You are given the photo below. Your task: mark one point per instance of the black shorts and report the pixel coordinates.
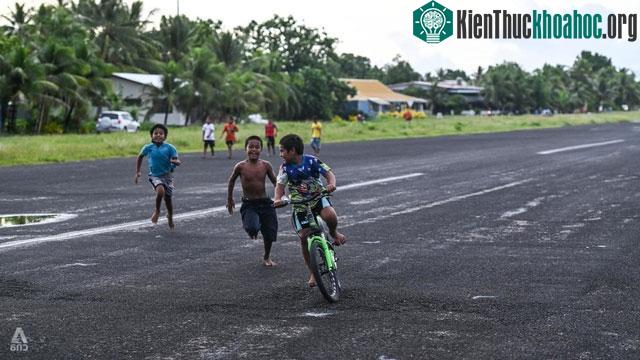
(230, 143)
(260, 215)
(211, 143)
(271, 141)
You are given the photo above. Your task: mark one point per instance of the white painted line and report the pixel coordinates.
(107, 229)
(318, 314)
(483, 297)
(458, 198)
(78, 264)
(379, 181)
(553, 151)
(146, 223)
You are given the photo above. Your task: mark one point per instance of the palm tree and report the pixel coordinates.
(229, 49)
(166, 95)
(119, 32)
(175, 36)
(19, 20)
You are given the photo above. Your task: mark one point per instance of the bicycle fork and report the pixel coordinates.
(326, 252)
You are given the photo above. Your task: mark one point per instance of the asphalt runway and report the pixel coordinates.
(520, 245)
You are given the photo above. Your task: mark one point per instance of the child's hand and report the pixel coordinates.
(331, 188)
(230, 206)
(177, 162)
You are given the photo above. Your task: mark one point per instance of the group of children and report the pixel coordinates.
(299, 174)
(230, 129)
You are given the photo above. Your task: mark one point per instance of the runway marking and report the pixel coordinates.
(569, 148)
(146, 223)
(441, 202)
(318, 314)
(78, 264)
(483, 297)
(460, 197)
(379, 181)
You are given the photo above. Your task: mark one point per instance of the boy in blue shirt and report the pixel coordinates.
(163, 158)
(300, 174)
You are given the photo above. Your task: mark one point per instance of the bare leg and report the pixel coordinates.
(266, 260)
(169, 204)
(159, 196)
(303, 234)
(329, 216)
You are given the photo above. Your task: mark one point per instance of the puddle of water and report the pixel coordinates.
(32, 219)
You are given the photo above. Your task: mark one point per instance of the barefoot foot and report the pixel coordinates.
(170, 222)
(269, 263)
(338, 239)
(312, 282)
(154, 217)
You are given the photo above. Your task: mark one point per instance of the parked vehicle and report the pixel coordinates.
(109, 121)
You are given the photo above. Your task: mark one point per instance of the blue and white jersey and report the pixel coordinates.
(159, 158)
(303, 179)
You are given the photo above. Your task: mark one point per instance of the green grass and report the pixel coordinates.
(20, 150)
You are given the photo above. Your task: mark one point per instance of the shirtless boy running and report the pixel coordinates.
(258, 213)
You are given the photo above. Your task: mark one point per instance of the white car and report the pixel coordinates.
(116, 121)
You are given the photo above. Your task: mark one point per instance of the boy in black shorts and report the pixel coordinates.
(258, 213)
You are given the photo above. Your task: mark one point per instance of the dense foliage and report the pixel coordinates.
(56, 63)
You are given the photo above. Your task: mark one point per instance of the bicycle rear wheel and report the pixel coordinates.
(327, 280)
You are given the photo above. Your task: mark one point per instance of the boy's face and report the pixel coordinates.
(253, 149)
(287, 155)
(158, 135)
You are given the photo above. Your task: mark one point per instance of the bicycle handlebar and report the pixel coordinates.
(286, 201)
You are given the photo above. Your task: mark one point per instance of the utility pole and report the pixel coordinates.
(178, 5)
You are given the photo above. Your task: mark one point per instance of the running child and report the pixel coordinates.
(258, 213)
(163, 158)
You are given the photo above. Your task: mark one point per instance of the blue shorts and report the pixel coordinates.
(315, 143)
(300, 218)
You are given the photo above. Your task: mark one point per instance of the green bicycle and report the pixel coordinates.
(322, 256)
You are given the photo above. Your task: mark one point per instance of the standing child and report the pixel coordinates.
(258, 213)
(270, 132)
(230, 128)
(300, 174)
(316, 133)
(163, 158)
(208, 136)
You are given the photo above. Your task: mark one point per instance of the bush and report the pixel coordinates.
(52, 128)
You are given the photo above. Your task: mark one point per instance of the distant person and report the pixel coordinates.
(270, 132)
(208, 137)
(258, 213)
(316, 133)
(163, 158)
(300, 174)
(231, 129)
(407, 115)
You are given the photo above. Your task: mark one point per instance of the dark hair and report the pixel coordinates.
(252, 137)
(292, 142)
(159, 126)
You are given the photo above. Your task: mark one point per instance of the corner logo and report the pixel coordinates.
(432, 22)
(19, 341)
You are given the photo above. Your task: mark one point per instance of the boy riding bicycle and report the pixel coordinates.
(300, 173)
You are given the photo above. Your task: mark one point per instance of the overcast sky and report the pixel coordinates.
(381, 30)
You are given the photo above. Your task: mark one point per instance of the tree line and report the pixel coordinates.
(56, 63)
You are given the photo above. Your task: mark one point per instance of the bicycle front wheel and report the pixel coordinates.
(327, 279)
